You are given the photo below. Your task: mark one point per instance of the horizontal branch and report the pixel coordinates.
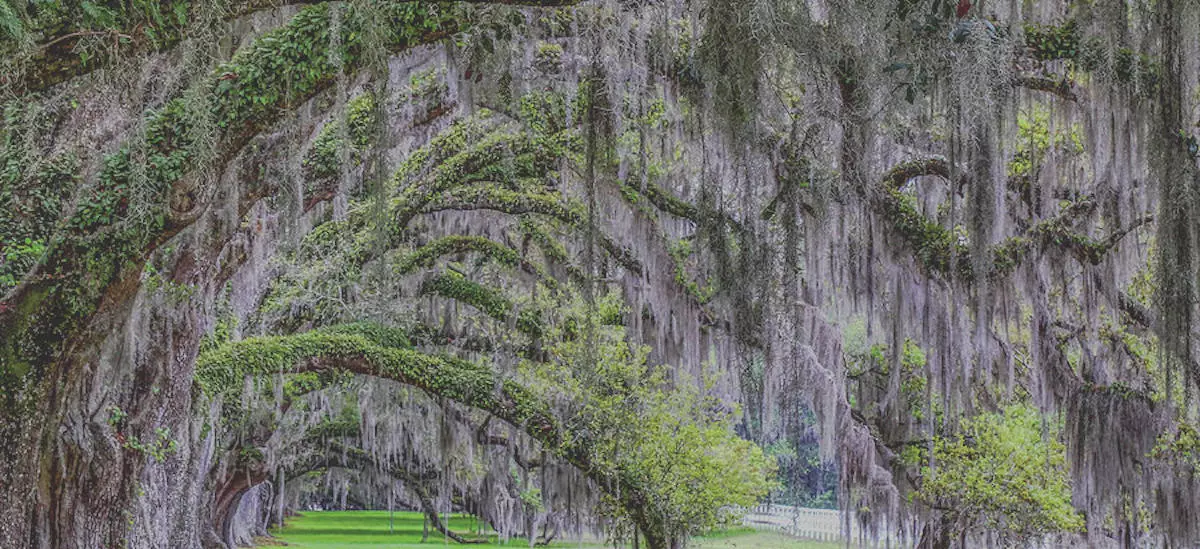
(489, 301)
(426, 256)
(938, 248)
(514, 203)
(56, 57)
(1062, 87)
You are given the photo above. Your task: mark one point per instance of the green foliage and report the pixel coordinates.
(1050, 42)
(155, 283)
(1005, 473)
(680, 252)
(532, 499)
(427, 88)
(159, 447)
(1034, 140)
(222, 368)
(1181, 447)
(547, 112)
(672, 452)
(674, 441)
(428, 254)
(10, 21)
(299, 55)
(490, 301)
(33, 192)
(548, 57)
(933, 244)
(912, 379)
(19, 258)
(1066, 42)
(324, 158)
(222, 332)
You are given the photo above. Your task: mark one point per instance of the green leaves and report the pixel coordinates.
(10, 21)
(98, 16)
(1004, 472)
(673, 440)
(1049, 42)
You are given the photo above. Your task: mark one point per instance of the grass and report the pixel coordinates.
(362, 529)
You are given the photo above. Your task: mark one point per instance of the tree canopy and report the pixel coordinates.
(610, 265)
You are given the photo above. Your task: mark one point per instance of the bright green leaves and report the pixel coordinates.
(323, 160)
(428, 254)
(223, 368)
(282, 66)
(288, 64)
(673, 440)
(490, 301)
(1005, 473)
(1034, 141)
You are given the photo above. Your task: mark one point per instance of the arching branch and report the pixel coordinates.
(1062, 87)
(427, 255)
(222, 370)
(416, 480)
(54, 59)
(490, 301)
(514, 203)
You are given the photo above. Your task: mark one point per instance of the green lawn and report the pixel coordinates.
(361, 529)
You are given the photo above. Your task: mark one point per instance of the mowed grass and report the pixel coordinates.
(361, 529)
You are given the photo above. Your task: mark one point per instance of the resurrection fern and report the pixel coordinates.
(490, 301)
(426, 255)
(323, 160)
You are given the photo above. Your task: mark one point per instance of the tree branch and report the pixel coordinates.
(222, 370)
(54, 59)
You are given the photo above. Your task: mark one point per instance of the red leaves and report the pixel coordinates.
(963, 7)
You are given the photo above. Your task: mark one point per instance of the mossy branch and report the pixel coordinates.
(426, 256)
(937, 248)
(469, 384)
(159, 26)
(1062, 86)
(107, 240)
(490, 301)
(516, 203)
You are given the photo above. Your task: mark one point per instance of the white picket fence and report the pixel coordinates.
(818, 525)
(800, 522)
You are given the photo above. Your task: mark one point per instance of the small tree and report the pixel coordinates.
(1004, 473)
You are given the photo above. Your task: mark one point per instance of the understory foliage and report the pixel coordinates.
(675, 436)
(1003, 475)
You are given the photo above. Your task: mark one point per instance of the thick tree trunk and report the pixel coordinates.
(228, 497)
